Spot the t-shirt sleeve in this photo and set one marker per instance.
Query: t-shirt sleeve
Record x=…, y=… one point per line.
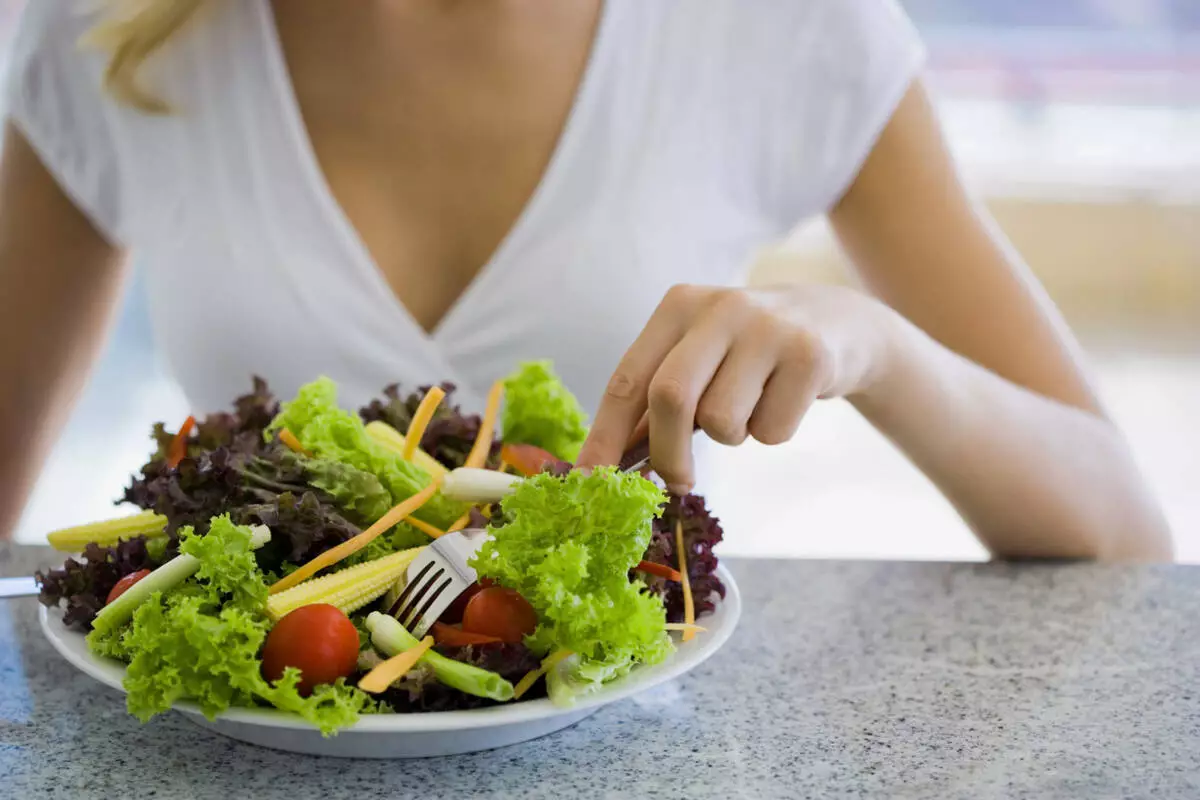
x=53, y=95
x=853, y=62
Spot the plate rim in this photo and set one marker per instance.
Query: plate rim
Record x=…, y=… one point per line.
x=110, y=672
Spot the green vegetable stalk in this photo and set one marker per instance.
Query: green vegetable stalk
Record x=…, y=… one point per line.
x=391, y=637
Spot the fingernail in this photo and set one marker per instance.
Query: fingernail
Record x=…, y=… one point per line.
x=679, y=489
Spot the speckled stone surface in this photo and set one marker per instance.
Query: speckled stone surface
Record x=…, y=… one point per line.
x=844, y=679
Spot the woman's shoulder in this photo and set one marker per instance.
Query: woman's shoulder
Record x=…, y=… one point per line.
x=806, y=85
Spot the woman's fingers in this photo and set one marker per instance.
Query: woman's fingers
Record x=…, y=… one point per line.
x=681, y=380
x=735, y=391
x=626, y=396
x=801, y=374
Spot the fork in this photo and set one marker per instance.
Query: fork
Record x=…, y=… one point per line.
x=440, y=573
x=436, y=578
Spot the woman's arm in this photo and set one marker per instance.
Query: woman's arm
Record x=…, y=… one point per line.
x=961, y=361
x=59, y=282
x=989, y=396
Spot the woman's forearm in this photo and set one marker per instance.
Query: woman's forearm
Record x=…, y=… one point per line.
x=1032, y=477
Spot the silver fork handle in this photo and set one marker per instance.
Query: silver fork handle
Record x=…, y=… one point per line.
x=18, y=587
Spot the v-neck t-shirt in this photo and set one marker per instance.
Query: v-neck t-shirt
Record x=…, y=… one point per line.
x=702, y=131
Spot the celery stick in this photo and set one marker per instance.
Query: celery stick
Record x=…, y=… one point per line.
x=168, y=576
x=390, y=636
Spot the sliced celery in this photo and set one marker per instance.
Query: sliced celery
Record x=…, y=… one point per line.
x=391, y=637
x=168, y=576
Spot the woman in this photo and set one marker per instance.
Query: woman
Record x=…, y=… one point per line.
x=426, y=189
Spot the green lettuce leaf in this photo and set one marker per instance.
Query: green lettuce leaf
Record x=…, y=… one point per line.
x=360, y=495
x=540, y=410
x=200, y=642
x=335, y=434
x=567, y=546
x=228, y=571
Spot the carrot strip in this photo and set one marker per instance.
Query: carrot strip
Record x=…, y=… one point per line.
x=460, y=523
x=352, y=546
x=293, y=444
x=550, y=662
x=395, y=668
x=424, y=527
x=177, y=449
x=450, y=636
x=420, y=421
x=661, y=570
x=689, y=607
x=483, y=442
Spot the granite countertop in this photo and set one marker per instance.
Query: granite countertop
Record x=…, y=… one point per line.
x=844, y=679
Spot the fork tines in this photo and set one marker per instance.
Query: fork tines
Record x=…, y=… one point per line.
x=419, y=595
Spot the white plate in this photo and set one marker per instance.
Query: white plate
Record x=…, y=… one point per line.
x=437, y=733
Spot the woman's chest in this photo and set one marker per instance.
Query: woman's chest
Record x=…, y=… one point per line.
x=433, y=127
x=265, y=255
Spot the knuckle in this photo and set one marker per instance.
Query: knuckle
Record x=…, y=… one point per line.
x=682, y=295
x=721, y=425
x=773, y=432
x=731, y=304
x=805, y=349
x=621, y=386
x=668, y=394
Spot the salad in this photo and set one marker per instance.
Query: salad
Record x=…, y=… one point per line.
x=274, y=540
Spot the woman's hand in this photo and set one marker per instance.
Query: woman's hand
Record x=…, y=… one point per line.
x=736, y=363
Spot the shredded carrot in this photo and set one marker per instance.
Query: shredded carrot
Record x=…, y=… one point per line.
x=177, y=449
x=683, y=626
x=289, y=439
x=550, y=662
x=483, y=442
x=661, y=570
x=689, y=607
x=395, y=668
x=424, y=527
x=352, y=546
x=420, y=421
x=460, y=523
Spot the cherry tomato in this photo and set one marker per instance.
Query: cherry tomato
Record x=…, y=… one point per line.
x=317, y=639
x=454, y=612
x=120, y=586
x=500, y=612
x=451, y=636
x=526, y=458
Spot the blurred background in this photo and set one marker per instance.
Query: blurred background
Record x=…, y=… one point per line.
x=1077, y=121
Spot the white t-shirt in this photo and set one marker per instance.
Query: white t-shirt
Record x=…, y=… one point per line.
x=702, y=131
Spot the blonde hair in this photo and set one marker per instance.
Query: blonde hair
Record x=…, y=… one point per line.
x=131, y=31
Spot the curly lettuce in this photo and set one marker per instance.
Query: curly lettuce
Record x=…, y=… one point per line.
x=335, y=434
x=200, y=642
x=540, y=410
x=567, y=545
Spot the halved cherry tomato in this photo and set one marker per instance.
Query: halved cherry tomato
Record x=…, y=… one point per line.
x=317, y=639
x=451, y=636
x=122, y=585
x=526, y=458
x=500, y=612
x=454, y=612
x=177, y=450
